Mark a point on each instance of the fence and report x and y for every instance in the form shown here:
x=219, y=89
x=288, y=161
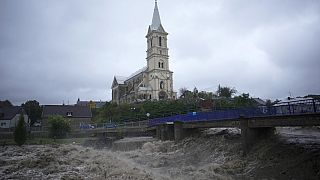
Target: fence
x=298, y=107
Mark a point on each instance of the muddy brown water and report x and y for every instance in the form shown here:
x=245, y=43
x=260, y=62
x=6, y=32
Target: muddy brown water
x=215, y=154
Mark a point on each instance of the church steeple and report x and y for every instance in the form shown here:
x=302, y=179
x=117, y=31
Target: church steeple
x=156, y=22
x=157, y=50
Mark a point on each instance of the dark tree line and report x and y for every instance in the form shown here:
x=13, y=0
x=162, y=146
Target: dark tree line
x=189, y=101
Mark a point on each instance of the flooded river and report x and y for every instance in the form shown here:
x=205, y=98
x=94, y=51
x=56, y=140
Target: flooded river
x=215, y=154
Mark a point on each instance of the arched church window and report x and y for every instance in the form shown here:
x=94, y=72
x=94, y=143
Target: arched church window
x=161, y=84
x=162, y=65
x=160, y=41
x=159, y=64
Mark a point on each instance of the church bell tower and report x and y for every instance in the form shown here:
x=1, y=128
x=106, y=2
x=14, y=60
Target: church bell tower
x=160, y=77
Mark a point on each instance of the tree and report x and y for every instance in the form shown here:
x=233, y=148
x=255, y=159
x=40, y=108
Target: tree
x=226, y=91
x=33, y=110
x=5, y=103
x=244, y=100
x=182, y=92
x=59, y=126
x=20, y=132
x=195, y=92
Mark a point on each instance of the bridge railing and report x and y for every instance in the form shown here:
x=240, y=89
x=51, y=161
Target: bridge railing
x=295, y=107
x=114, y=125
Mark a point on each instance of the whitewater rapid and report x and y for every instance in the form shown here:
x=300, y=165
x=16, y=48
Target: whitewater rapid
x=213, y=154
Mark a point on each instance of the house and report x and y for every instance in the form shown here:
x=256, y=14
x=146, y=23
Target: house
x=296, y=105
x=9, y=116
x=155, y=80
x=261, y=104
x=75, y=114
x=91, y=104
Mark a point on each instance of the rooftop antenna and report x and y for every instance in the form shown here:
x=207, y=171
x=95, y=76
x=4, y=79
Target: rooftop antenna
x=290, y=95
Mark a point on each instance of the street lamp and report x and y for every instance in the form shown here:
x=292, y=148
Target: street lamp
x=134, y=111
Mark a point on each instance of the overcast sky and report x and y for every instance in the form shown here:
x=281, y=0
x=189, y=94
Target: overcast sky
x=58, y=50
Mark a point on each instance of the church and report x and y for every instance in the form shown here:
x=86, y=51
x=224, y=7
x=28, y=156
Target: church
x=154, y=81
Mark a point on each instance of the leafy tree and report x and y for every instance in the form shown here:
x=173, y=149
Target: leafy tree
x=33, y=110
x=59, y=126
x=226, y=91
x=20, y=132
x=244, y=100
x=5, y=103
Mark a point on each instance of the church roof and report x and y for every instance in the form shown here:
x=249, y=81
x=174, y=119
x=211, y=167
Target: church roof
x=156, y=22
x=137, y=72
x=120, y=79
x=156, y=18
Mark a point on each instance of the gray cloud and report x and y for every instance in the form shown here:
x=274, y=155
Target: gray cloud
x=56, y=51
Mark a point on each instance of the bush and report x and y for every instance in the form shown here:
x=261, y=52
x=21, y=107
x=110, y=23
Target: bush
x=59, y=126
x=20, y=132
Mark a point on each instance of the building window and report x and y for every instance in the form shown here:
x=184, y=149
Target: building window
x=150, y=96
x=3, y=124
x=162, y=65
x=151, y=42
x=159, y=64
x=160, y=41
x=161, y=84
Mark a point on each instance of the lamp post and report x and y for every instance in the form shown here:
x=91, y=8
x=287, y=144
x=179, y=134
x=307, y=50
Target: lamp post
x=134, y=111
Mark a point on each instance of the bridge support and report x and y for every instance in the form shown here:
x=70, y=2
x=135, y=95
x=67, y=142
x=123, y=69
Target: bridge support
x=179, y=133
x=165, y=132
x=252, y=135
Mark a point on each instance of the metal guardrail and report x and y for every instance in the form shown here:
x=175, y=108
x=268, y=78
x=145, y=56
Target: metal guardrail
x=302, y=107
x=114, y=125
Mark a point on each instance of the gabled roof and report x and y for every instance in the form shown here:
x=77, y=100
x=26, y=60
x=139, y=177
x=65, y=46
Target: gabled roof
x=137, y=72
x=8, y=113
x=120, y=79
x=260, y=101
x=62, y=110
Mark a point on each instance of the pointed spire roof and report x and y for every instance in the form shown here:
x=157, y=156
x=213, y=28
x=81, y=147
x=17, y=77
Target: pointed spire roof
x=156, y=22
x=156, y=17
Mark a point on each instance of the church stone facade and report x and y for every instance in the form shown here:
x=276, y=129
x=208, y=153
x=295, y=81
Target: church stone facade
x=154, y=81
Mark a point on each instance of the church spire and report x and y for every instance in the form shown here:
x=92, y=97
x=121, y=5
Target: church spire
x=156, y=22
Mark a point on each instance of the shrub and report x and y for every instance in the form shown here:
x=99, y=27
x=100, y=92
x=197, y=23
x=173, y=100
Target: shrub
x=59, y=126
x=20, y=132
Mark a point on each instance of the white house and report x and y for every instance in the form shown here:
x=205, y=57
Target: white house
x=296, y=105
x=9, y=117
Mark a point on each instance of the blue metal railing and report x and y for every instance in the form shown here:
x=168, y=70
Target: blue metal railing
x=302, y=107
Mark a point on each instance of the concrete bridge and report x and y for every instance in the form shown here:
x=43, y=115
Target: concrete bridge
x=255, y=123
x=253, y=129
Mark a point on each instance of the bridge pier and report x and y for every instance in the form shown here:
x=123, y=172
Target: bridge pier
x=179, y=133
x=165, y=132
x=252, y=135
